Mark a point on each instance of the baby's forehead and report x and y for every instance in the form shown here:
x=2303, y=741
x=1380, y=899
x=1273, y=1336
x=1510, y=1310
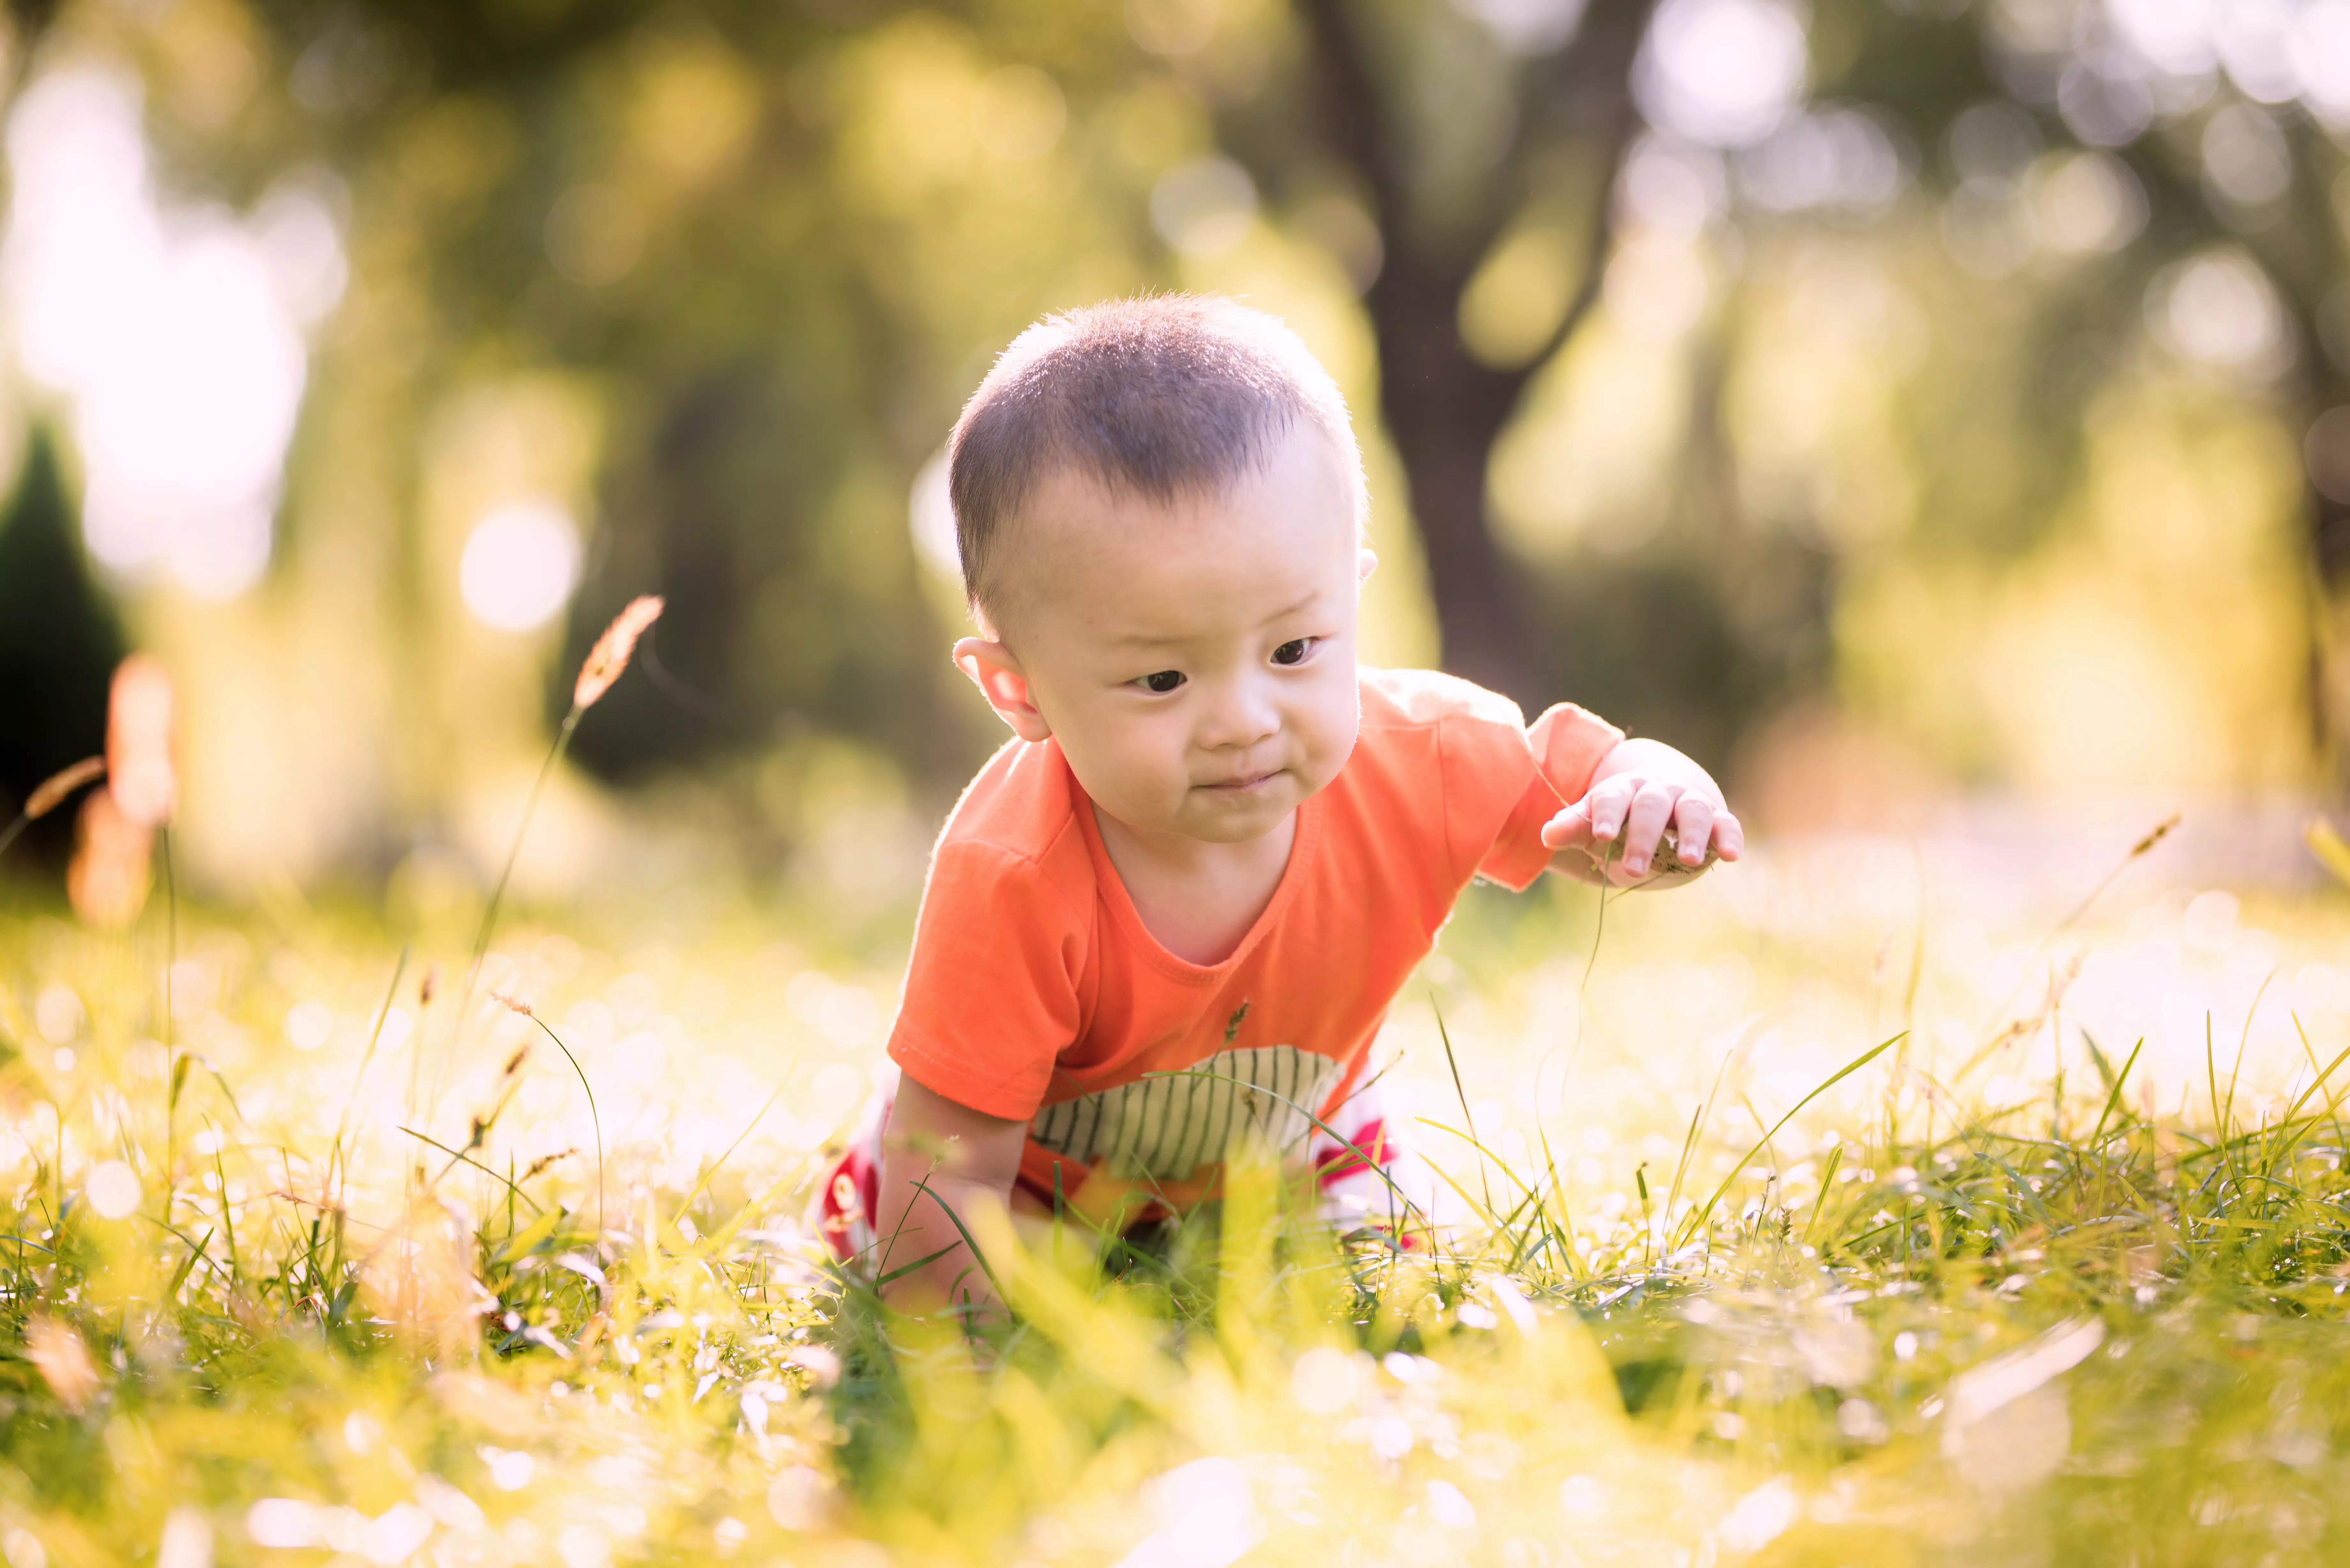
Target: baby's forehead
x=1104, y=551
x=1077, y=506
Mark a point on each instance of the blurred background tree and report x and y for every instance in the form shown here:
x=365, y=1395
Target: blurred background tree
x=1875, y=398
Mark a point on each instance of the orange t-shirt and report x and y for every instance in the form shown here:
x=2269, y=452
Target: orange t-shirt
x=1036, y=993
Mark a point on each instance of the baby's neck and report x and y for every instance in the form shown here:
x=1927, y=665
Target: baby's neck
x=1198, y=900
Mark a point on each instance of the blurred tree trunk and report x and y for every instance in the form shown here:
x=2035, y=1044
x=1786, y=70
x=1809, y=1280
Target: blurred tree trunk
x=1443, y=409
x=2329, y=637
x=2304, y=259
x=59, y=642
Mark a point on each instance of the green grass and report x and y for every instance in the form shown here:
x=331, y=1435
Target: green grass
x=1774, y=1243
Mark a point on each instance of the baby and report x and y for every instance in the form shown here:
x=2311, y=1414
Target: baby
x=1170, y=915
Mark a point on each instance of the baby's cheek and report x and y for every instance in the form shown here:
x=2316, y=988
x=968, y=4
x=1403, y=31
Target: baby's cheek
x=1333, y=729
x=1157, y=760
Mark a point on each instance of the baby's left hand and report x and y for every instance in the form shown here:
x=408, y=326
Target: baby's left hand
x=1642, y=788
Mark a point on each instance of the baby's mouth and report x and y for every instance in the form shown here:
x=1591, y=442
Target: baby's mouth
x=1243, y=783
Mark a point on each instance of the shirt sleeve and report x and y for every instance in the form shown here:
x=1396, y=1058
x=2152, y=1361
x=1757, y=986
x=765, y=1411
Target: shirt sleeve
x=1568, y=744
x=992, y=989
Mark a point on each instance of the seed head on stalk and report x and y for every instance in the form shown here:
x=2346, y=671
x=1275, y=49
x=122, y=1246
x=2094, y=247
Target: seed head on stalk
x=50, y=794
x=595, y=1117
x=609, y=657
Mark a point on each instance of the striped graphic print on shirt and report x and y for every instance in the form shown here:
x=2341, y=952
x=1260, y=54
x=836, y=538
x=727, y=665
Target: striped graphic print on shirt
x=1166, y=1127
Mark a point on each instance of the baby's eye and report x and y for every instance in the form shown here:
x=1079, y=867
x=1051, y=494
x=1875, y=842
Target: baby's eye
x=1294, y=650
x=1162, y=682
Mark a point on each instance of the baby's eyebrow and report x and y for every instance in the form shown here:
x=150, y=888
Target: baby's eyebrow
x=1177, y=638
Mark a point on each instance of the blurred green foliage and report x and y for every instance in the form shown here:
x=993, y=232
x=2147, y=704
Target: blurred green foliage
x=1916, y=425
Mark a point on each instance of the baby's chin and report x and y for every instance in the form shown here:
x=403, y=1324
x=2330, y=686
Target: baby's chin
x=1236, y=815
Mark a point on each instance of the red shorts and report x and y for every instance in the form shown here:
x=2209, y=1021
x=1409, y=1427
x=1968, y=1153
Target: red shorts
x=1384, y=1191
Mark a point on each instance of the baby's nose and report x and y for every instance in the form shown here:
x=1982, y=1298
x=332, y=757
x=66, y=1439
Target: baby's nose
x=1241, y=716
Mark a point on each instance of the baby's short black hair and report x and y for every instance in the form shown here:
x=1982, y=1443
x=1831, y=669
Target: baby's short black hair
x=1160, y=396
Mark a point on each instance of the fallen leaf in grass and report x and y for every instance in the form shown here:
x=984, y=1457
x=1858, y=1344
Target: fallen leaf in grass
x=58, y=1355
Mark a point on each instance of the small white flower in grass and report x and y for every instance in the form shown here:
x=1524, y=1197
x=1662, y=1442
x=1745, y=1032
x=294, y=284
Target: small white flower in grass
x=394, y=1535
x=583, y=1546
x=2009, y=1424
x=799, y=1499
x=1762, y=1516
x=448, y=1505
x=58, y=1014
x=112, y=1188
x=1207, y=1518
x=1323, y=1381
x=1582, y=1496
x=187, y=1540
x=282, y=1524
x=307, y=1025
x=1391, y=1437
x=1449, y=1505
x=510, y=1469
x=819, y=1361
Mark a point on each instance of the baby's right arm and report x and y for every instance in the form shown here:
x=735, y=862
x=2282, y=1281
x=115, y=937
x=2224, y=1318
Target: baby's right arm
x=966, y=1160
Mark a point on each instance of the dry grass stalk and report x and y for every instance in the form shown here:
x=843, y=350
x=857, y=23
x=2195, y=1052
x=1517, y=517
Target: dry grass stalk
x=596, y=1118
x=609, y=657
x=2325, y=842
x=58, y=1353
x=2161, y=831
x=49, y=794
x=603, y=666
x=53, y=790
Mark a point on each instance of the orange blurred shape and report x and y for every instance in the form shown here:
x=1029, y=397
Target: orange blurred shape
x=107, y=883
x=609, y=657
x=139, y=742
x=420, y=1278
x=58, y=1355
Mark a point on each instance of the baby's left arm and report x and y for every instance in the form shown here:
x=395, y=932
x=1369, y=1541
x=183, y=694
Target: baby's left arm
x=1641, y=787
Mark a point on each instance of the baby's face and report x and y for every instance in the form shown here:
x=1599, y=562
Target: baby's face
x=1196, y=662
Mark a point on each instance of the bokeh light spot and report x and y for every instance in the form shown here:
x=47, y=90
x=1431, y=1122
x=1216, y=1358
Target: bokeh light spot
x=1725, y=72
x=1204, y=207
x=520, y=565
x=112, y=1188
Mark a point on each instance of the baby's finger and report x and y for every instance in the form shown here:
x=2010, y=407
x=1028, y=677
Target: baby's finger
x=1645, y=824
x=1729, y=836
x=1608, y=803
x=1570, y=829
x=1692, y=824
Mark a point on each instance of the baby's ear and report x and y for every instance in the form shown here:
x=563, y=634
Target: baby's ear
x=996, y=673
x=1366, y=563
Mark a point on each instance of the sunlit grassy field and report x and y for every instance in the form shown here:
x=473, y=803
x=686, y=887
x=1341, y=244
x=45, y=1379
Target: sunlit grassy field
x=318, y=1250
